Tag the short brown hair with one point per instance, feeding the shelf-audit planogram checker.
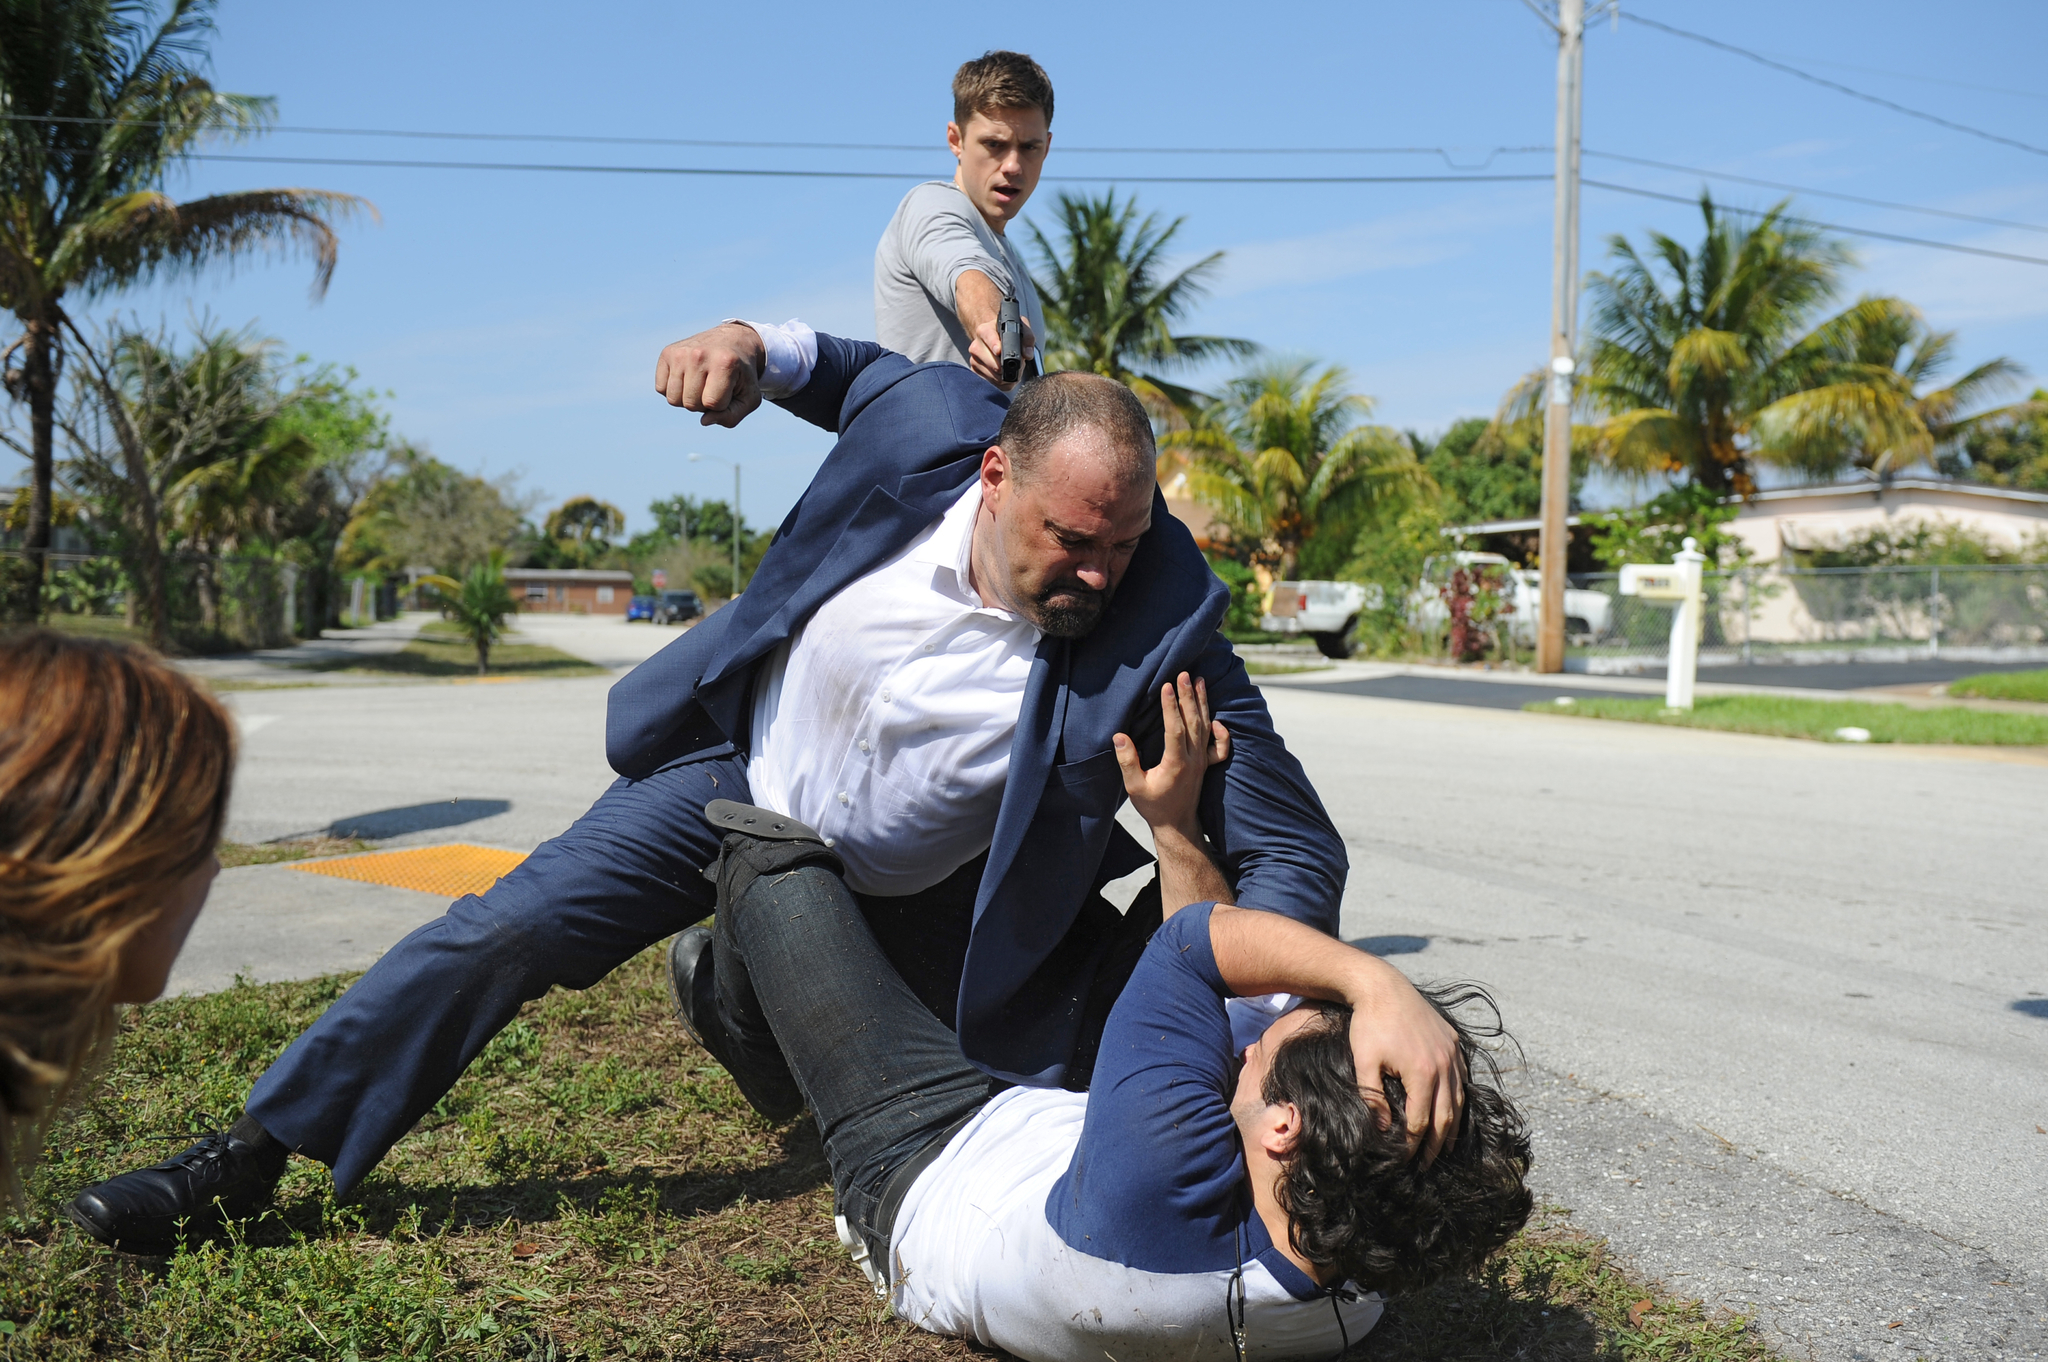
(114, 775)
(1046, 410)
(1000, 80)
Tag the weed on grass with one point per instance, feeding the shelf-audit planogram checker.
(593, 1187)
(233, 854)
(1787, 716)
(2004, 686)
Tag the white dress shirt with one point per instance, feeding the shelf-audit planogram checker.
(885, 721)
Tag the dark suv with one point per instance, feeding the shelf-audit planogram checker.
(673, 607)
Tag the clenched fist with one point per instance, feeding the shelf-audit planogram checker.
(716, 372)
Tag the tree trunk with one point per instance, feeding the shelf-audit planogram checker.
(483, 656)
(39, 381)
(145, 535)
(208, 591)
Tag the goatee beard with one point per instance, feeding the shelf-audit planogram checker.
(1074, 615)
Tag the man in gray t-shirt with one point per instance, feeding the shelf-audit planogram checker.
(945, 264)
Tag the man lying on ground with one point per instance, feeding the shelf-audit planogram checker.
(1191, 1205)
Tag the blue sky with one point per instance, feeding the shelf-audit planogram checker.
(515, 317)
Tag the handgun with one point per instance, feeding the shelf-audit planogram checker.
(1010, 325)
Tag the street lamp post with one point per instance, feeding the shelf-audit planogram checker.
(694, 458)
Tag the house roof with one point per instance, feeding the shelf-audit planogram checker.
(1871, 487)
(1505, 526)
(1861, 487)
(607, 576)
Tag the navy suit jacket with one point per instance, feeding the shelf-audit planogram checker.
(911, 438)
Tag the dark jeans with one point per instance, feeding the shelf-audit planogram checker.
(883, 1075)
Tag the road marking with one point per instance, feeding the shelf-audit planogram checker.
(451, 871)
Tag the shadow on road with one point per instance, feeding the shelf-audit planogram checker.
(2032, 1007)
(444, 813)
(1392, 945)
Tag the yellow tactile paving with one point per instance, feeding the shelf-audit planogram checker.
(450, 871)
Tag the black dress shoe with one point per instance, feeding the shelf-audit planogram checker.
(223, 1177)
(768, 1086)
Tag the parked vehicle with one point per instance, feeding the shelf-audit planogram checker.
(1587, 614)
(641, 608)
(1326, 611)
(673, 607)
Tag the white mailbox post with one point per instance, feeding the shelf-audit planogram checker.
(1680, 582)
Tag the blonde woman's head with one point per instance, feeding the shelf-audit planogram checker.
(114, 775)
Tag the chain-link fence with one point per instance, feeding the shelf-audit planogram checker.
(215, 603)
(1775, 614)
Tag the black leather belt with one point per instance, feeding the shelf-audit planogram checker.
(897, 1186)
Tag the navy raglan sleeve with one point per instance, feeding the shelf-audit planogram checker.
(840, 364)
(1157, 1179)
(1276, 841)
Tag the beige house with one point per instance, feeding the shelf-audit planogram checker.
(1776, 524)
(571, 591)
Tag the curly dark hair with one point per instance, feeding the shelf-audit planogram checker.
(1361, 1208)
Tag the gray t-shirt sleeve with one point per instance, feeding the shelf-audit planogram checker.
(943, 238)
(935, 237)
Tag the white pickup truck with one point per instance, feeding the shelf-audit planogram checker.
(1328, 611)
(1587, 614)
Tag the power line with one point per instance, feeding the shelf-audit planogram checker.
(1826, 226)
(858, 174)
(754, 173)
(1817, 193)
(1447, 153)
(1928, 80)
(757, 145)
(1852, 92)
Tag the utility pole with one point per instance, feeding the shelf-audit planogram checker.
(1555, 540)
(735, 514)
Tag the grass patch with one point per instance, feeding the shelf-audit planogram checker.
(594, 1187)
(226, 685)
(88, 626)
(2004, 686)
(233, 854)
(441, 650)
(1257, 668)
(1785, 716)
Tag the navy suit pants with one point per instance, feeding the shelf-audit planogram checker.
(629, 873)
(626, 875)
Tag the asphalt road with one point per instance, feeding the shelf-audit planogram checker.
(1829, 963)
(1785, 1005)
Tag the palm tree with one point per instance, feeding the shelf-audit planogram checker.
(479, 604)
(102, 101)
(1680, 375)
(1282, 460)
(199, 455)
(1110, 306)
(1872, 406)
(1706, 362)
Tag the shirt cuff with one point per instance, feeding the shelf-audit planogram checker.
(792, 353)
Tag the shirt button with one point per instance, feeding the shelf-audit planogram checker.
(863, 747)
(842, 797)
(929, 647)
(828, 841)
(887, 697)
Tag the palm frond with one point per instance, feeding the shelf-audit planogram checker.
(145, 236)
